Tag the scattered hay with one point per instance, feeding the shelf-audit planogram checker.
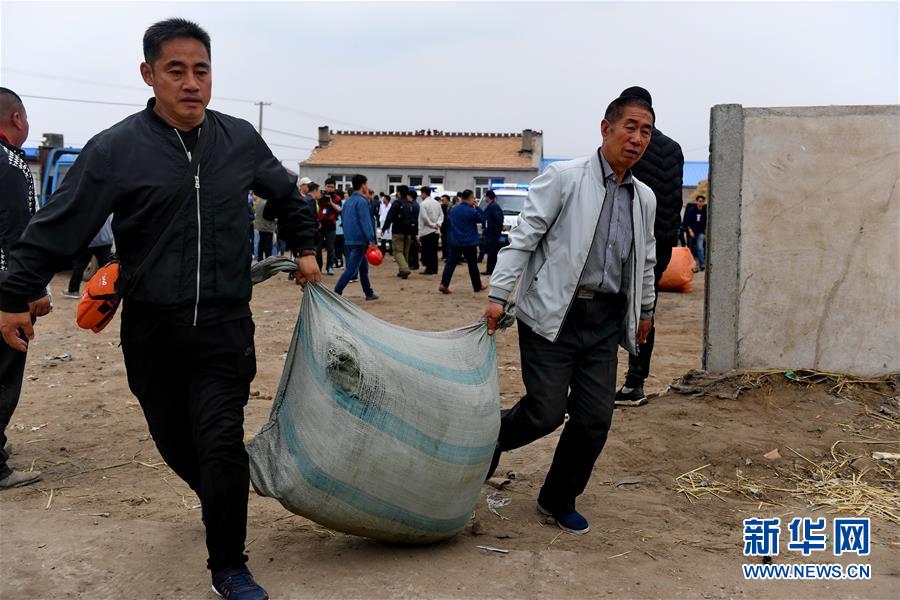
(830, 483)
(695, 484)
(731, 384)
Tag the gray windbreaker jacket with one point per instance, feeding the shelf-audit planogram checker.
(550, 246)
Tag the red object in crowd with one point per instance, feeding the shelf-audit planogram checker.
(374, 256)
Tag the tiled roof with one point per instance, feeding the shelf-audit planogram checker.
(427, 149)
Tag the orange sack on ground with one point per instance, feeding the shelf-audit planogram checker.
(679, 275)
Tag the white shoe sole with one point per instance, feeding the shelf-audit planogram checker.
(216, 592)
(638, 402)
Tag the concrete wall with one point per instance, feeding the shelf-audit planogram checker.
(454, 179)
(804, 239)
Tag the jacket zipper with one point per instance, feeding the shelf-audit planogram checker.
(199, 239)
(584, 266)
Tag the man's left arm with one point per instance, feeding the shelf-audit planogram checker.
(296, 217)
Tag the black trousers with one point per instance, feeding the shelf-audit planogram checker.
(576, 374)
(413, 258)
(81, 262)
(430, 252)
(491, 248)
(326, 241)
(445, 240)
(470, 253)
(339, 250)
(192, 384)
(639, 366)
(12, 368)
(266, 245)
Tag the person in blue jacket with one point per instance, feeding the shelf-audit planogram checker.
(492, 231)
(464, 220)
(359, 235)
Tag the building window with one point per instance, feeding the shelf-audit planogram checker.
(483, 184)
(436, 180)
(415, 180)
(394, 182)
(341, 182)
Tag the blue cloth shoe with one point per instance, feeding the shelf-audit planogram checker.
(572, 522)
(237, 584)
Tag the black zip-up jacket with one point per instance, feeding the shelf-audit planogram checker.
(17, 203)
(662, 168)
(402, 218)
(199, 273)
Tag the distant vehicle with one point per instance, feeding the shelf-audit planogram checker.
(59, 161)
(511, 199)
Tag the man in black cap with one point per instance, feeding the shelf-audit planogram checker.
(661, 168)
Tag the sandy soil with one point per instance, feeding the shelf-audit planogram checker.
(110, 520)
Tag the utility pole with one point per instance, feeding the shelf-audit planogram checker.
(260, 104)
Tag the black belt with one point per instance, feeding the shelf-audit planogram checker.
(589, 294)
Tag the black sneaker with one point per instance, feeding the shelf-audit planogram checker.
(237, 584)
(372, 297)
(634, 397)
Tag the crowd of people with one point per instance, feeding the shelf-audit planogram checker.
(593, 238)
(414, 227)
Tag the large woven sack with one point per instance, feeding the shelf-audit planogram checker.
(378, 430)
(679, 275)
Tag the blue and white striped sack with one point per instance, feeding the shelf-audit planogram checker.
(378, 430)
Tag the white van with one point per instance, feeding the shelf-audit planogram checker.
(511, 199)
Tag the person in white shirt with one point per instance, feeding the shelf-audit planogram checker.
(384, 233)
(430, 219)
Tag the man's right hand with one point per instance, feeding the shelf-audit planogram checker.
(492, 313)
(10, 324)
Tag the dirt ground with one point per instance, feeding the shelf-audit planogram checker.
(110, 520)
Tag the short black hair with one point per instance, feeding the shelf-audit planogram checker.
(163, 31)
(425, 190)
(701, 197)
(312, 186)
(617, 107)
(358, 181)
(330, 181)
(9, 103)
(466, 194)
(490, 194)
(411, 192)
(402, 189)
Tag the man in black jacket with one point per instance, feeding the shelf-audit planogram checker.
(176, 177)
(17, 205)
(492, 230)
(661, 168)
(403, 219)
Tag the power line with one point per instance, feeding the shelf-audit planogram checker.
(298, 111)
(82, 100)
(120, 86)
(317, 116)
(296, 135)
(286, 146)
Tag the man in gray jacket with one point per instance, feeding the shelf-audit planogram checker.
(583, 254)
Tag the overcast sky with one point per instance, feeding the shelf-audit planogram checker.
(498, 67)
